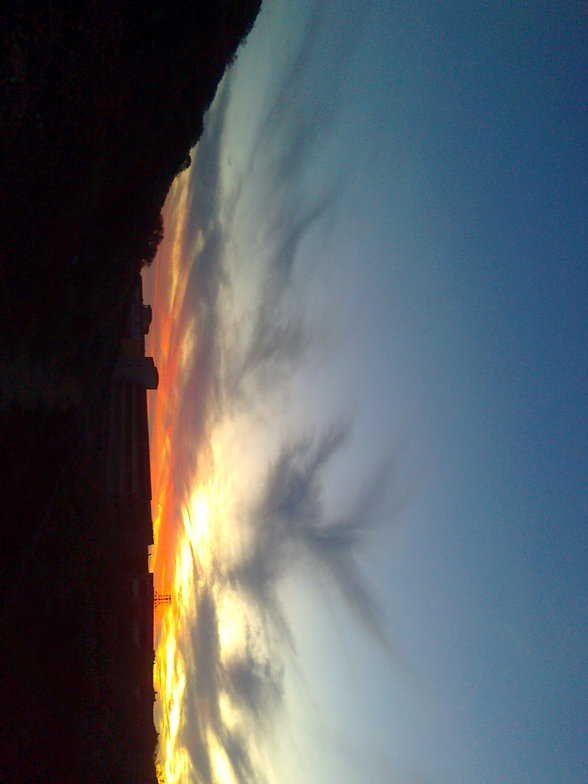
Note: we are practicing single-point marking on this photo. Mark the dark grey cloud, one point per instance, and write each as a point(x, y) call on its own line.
point(202, 704)
point(235, 745)
point(206, 649)
point(249, 680)
point(254, 684)
point(290, 524)
point(296, 126)
point(300, 116)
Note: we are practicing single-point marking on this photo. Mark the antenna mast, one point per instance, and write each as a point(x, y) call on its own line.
point(161, 598)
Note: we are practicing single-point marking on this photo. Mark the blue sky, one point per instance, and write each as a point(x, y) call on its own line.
point(401, 193)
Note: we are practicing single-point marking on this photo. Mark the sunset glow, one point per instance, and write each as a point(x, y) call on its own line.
point(368, 326)
point(190, 505)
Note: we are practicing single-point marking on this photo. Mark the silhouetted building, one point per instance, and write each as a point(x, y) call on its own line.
point(127, 443)
point(133, 366)
point(127, 628)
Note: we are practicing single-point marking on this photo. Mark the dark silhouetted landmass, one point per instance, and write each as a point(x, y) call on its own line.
point(101, 102)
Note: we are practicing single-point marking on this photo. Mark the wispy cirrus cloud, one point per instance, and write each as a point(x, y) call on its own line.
point(290, 523)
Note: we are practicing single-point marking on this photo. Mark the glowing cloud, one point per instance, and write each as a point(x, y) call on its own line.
point(236, 504)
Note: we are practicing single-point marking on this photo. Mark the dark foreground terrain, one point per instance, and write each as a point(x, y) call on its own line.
point(100, 104)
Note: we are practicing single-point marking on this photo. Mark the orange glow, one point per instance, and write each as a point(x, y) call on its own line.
point(202, 470)
point(172, 568)
point(188, 501)
point(169, 284)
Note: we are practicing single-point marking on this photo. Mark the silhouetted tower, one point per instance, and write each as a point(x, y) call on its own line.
point(161, 598)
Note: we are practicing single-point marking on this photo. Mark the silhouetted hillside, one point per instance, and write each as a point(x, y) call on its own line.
point(100, 103)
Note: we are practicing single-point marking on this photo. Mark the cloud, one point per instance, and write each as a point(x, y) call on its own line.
point(206, 650)
point(289, 524)
point(256, 684)
point(245, 680)
point(294, 129)
point(232, 365)
point(235, 745)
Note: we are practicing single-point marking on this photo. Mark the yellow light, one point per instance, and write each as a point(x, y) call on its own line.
point(222, 768)
point(189, 551)
point(232, 623)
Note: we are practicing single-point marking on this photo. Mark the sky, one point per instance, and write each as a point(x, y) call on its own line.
point(368, 443)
